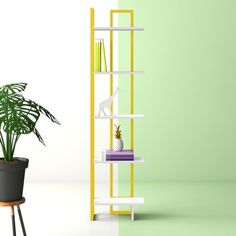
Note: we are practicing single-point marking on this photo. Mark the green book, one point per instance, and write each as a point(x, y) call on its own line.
point(96, 55)
point(104, 56)
point(99, 55)
point(98, 60)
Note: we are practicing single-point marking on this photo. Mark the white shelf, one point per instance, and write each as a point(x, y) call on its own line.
point(118, 28)
point(119, 72)
point(121, 116)
point(119, 201)
point(136, 160)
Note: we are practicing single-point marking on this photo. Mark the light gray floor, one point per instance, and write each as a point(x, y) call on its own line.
point(59, 210)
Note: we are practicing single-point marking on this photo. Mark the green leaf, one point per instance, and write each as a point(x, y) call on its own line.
point(13, 88)
point(18, 116)
point(46, 113)
point(39, 136)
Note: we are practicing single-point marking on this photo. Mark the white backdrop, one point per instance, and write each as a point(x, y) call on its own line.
point(46, 44)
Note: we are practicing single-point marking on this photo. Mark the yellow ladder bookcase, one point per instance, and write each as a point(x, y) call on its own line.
point(113, 200)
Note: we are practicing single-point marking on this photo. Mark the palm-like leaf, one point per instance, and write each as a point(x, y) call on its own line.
point(19, 115)
point(44, 111)
point(13, 88)
point(22, 118)
point(36, 132)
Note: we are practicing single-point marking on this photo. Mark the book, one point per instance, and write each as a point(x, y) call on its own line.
point(104, 56)
point(100, 56)
point(125, 155)
point(96, 55)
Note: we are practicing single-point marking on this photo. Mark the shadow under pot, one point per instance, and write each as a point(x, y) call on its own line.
point(12, 175)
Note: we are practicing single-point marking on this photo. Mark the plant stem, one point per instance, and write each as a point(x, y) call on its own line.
point(14, 143)
point(11, 144)
point(7, 144)
point(2, 144)
point(7, 132)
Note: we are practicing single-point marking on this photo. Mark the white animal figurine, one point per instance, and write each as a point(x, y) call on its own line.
point(106, 104)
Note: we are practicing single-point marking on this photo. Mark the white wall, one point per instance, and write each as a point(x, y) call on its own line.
point(46, 44)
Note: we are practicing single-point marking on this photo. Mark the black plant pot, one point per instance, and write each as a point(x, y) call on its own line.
point(12, 175)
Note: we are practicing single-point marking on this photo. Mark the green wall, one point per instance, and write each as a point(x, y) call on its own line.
point(188, 91)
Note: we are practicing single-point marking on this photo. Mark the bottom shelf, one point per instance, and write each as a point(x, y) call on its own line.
point(119, 201)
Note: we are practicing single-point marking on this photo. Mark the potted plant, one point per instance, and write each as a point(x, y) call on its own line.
point(18, 116)
point(118, 142)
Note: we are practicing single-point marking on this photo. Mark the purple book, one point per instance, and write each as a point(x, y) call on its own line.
point(125, 155)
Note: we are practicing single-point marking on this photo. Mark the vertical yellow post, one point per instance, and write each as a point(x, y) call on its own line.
point(132, 100)
point(131, 12)
point(92, 114)
point(111, 92)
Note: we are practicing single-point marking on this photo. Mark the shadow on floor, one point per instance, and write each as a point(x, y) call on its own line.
point(105, 217)
point(153, 216)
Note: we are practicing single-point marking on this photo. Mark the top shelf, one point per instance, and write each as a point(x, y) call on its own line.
point(121, 116)
point(118, 29)
point(124, 72)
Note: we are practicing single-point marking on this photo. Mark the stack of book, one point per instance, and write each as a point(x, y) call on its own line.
point(100, 56)
point(125, 155)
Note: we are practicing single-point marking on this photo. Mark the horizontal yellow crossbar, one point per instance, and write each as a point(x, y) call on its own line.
point(120, 196)
point(120, 212)
point(121, 11)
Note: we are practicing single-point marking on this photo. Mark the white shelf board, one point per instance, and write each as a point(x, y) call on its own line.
point(121, 116)
point(119, 72)
point(118, 28)
point(119, 201)
point(136, 160)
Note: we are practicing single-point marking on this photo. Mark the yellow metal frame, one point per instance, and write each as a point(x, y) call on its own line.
point(92, 135)
point(131, 12)
point(92, 91)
